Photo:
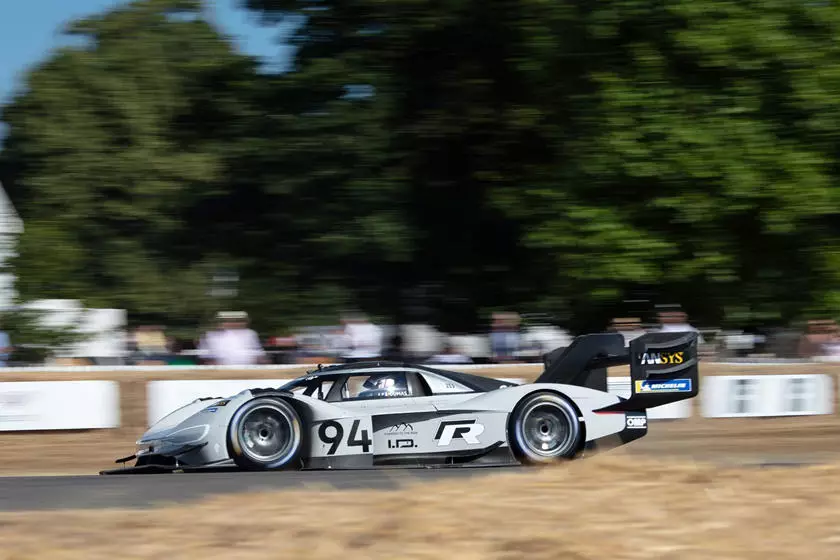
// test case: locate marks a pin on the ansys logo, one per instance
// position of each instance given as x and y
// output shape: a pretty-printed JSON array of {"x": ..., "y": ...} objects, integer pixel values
[{"x": 661, "y": 358}]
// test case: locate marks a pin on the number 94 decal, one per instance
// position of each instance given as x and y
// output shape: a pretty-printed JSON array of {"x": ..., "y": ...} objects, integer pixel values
[{"x": 331, "y": 433}]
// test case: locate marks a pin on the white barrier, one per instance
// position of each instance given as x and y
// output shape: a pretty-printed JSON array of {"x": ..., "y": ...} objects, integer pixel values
[
  {"x": 59, "y": 405},
  {"x": 163, "y": 397},
  {"x": 734, "y": 396},
  {"x": 70, "y": 405}
]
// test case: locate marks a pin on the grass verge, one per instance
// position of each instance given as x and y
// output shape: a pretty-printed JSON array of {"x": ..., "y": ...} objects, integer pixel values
[{"x": 607, "y": 507}]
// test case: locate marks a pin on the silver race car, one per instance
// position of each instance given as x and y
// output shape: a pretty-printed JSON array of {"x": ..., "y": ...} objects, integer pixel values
[{"x": 382, "y": 414}]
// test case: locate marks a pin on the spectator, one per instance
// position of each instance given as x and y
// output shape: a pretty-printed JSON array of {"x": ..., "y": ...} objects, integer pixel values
[
  {"x": 365, "y": 339},
  {"x": 820, "y": 341},
  {"x": 149, "y": 345},
  {"x": 287, "y": 350},
  {"x": 630, "y": 328},
  {"x": 175, "y": 358},
  {"x": 151, "y": 339},
  {"x": 449, "y": 356},
  {"x": 5, "y": 348},
  {"x": 336, "y": 342},
  {"x": 232, "y": 343},
  {"x": 419, "y": 341},
  {"x": 395, "y": 350},
  {"x": 677, "y": 321},
  {"x": 505, "y": 336},
  {"x": 831, "y": 348}
]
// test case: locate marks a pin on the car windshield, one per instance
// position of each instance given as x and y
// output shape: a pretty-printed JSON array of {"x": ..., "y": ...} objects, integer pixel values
[
  {"x": 382, "y": 384},
  {"x": 295, "y": 383},
  {"x": 310, "y": 385}
]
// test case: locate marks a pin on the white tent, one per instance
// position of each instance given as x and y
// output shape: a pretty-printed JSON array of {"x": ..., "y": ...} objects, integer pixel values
[{"x": 103, "y": 330}]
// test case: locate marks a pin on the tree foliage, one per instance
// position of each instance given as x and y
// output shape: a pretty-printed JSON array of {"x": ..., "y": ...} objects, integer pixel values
[
  {"x": 558, "y": 157},
  {"x": 119, "y": 144}
]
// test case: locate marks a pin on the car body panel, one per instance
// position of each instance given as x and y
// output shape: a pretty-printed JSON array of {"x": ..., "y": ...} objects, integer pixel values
[{"x": 401, "y": 431}]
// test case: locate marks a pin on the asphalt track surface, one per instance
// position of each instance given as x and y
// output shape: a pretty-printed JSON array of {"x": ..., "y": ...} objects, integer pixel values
[
  {"x": 39, "y": 493},
  {"x": 32, "y": 493}
]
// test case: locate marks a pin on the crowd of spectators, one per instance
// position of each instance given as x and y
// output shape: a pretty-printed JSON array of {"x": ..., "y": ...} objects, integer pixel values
[
  {"x": 232, "y": 341},
  {"x": 667, "y": 321}
]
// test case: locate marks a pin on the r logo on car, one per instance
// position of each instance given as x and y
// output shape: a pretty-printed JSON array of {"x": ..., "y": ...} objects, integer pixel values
[{"x": 468, "y": 430}]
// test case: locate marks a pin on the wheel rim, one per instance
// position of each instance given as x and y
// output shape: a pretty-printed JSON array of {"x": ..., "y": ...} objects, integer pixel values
[
  {"x": 267, "y": 434},
  {"x": 546, "y": 429}
]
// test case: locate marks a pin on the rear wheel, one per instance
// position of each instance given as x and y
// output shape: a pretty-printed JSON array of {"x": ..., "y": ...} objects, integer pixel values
[
  {"x": 265, "y": 433},
  {"x": 544, "y": 428}
]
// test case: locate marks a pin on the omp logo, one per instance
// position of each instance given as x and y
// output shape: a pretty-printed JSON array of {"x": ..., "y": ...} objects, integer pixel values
[
  {"x": 636, "y": 422},
  {"x": 468, "y": 430},
  {"x": 660, "y": 358}
]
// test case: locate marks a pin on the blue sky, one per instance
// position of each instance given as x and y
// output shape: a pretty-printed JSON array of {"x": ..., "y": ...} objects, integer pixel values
[{"x": 32, "y": 29}]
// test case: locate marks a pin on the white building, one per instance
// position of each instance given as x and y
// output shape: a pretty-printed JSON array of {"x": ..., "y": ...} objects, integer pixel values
[
  {"x": 103, "y": 329},
  {"x": 103, "y": 336},
  {"x": 11, "y": 227}
]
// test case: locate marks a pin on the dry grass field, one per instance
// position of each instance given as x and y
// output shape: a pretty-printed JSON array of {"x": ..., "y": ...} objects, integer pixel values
[{"x": 608, "y": 507}]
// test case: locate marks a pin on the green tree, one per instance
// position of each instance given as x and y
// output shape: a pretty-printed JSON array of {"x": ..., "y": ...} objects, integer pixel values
[
  {"x": 713, "y": 140},
  {"x": 541, "y": 156},
  {"x": 566, "y": 156},
  {"x": 115, "y": 147},
  {"x": 155, "y": 157}
]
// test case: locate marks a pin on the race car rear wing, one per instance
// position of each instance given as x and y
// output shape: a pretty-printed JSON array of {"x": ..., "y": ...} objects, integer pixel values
[{"x": 663, "y": 366}]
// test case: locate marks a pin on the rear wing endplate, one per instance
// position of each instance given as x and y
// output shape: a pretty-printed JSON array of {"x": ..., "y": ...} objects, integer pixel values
[{"x": 663, "y": 366}]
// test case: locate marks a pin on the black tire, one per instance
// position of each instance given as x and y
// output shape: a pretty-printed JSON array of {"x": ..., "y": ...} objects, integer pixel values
[
  {"x": 265, "y": 434},
  {"x": 545, "y": 428}
]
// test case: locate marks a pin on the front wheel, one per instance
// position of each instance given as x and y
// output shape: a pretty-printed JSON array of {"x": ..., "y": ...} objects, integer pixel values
[
  {"x": 544, "y": 428},
  {"x": 265, "y": 433}
]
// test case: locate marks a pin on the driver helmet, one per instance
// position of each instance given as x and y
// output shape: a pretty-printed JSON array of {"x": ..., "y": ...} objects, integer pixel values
[{"x": 382, "y": 385}]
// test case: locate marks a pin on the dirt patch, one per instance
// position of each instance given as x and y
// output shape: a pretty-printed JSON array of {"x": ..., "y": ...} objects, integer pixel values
[
  {"x": 604, "y": 508},
  {"x": 70, "y": 452}
]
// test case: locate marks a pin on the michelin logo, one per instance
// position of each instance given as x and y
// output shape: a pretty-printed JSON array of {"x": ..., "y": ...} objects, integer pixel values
[
  {"x": 661, "y": 358},
  {"x": 670, "y": 386}
]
